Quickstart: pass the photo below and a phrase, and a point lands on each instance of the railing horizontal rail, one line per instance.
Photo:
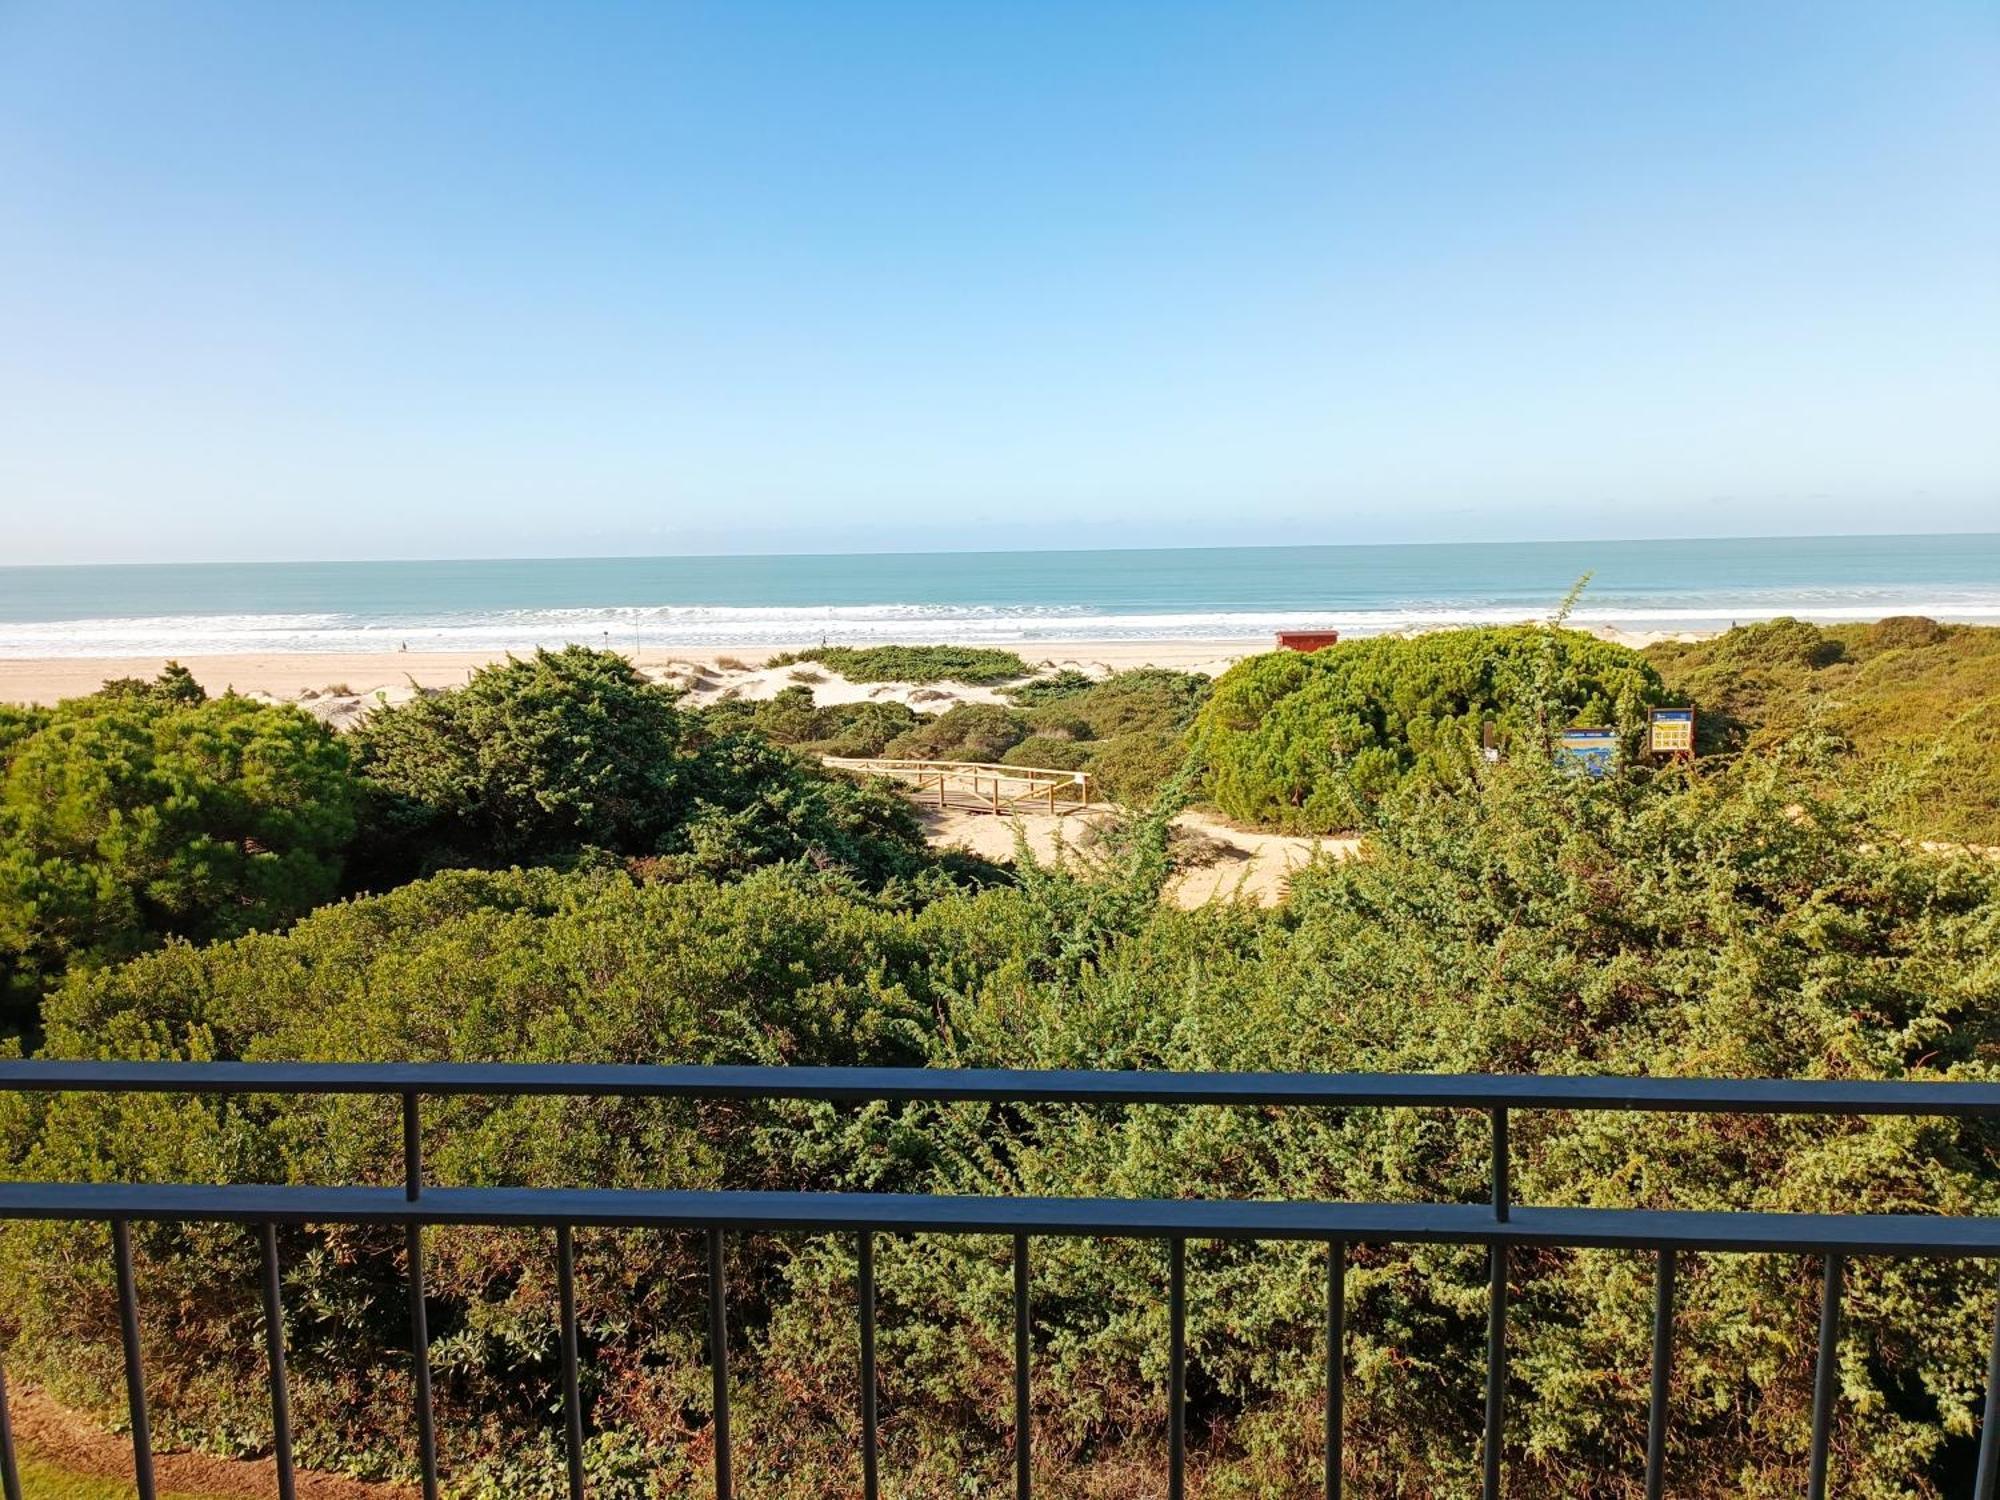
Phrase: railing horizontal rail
(1017, 1086)
(1197, 1219)
(1499, 1225)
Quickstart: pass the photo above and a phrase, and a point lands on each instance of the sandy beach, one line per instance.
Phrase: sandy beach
(288, 675)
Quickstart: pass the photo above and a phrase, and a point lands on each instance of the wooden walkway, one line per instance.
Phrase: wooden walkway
(977, 786)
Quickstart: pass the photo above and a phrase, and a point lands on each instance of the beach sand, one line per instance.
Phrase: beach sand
(287, 675)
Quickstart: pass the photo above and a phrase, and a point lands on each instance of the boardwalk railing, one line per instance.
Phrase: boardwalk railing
(978, 786)
(1499, 1225)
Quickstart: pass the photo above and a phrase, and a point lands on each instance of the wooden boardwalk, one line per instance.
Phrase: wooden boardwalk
(978, 786)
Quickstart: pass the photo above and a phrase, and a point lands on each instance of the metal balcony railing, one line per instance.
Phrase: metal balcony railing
(1499, 1225)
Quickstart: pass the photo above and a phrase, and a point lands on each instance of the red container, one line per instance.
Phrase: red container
(1307, 640)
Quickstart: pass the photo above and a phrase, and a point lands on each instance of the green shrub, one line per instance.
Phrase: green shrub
(789, 717)
(1054, 754)
(567, 753)
(1783, 642)
(531, 760)
(792, 718)
(784, 967)
(149, 811)
(1730, 924)
(1900, 632)
(1055, 687)
(966, 731)
(968, 664)
(1914, 704)
(1310, 742)
(1148, 698)
(1132, 769)
(755, 804)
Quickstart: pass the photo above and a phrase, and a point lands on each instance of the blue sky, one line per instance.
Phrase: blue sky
(373, 280)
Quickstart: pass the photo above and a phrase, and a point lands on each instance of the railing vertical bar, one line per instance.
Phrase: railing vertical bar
(413, 1148)
(1024, 1481)
(135, 1370)
(571, 1386)
(1825, 1369)
(865, 1295)
(1496, 1319)
(420, 1333)
(274, 1354)
(1336, 1371)
(1663, 1360)
(420, 1362)
(1177, 1368)
(1988, 1481)
(10, 1472)
(718, 1361)
(1496, 1368)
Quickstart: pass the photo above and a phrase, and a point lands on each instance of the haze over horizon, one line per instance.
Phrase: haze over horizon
(368, 282)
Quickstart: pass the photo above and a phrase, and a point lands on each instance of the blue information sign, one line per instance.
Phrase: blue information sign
(1591, 751)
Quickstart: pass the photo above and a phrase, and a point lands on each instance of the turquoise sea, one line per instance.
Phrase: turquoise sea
(1000, 597)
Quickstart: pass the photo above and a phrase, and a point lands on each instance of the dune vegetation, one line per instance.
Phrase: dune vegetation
(566, 864)
(1910, 706)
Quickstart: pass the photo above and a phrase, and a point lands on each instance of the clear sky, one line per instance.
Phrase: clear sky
(382, 279)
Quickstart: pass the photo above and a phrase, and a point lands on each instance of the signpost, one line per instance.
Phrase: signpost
(1591, 751)
(1670, 732)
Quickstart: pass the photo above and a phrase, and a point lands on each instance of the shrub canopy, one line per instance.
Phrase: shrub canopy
(1914, 707)
(975, 665)
(1310, 741)
(531, 759)
(569, 753)
(1727, 925)
(149, 811)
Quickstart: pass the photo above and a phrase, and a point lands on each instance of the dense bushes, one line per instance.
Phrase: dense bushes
(1310, 741)
(1915, 704)
(147, 811)
(547, 759)
(532, 759)
(1127, 730)
(975, 665)
(1728, 925)
(965, 731)
(791, 717)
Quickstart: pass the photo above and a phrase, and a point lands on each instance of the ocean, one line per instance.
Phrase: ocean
(1002, 598)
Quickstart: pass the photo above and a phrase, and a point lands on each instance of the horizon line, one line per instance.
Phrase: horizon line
(295, 562)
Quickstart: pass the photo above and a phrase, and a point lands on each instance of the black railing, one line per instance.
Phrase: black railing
(1499, 1225)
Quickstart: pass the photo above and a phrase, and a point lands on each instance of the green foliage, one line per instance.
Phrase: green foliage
(1133, 768)
(174, 685)
(782, 967)
(1051, 754)
(1725, 924)
(1055, 687)
(529, 761)
(572, 752)
(975, 665)
(1913, 705)
(149, 811)
(1149, 699)
(792, 718)
(965, 731)
(756, 803)
(1311, 742)
(1127, 730)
